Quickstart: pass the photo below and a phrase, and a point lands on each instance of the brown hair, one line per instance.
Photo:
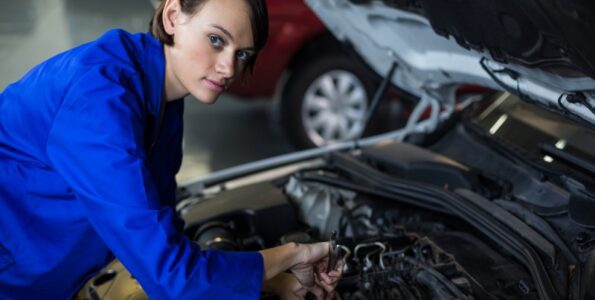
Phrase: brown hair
(259, 20)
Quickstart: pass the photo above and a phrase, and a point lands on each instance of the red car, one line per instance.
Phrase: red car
(325, 95)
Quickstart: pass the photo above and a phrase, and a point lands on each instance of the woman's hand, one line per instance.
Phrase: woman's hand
(328, 280)
(287, 287)
(307, 263)
(312, 271)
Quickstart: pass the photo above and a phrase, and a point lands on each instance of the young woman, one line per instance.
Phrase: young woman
(90, 141)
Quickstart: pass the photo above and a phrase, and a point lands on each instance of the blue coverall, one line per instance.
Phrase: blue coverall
(86, 172)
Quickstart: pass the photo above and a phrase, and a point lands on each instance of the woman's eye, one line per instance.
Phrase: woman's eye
(244, 56)
(216, 41)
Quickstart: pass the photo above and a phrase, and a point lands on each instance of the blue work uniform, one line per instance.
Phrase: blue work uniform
(86, 171)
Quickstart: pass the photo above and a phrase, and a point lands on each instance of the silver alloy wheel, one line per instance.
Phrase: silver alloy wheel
(334, 108)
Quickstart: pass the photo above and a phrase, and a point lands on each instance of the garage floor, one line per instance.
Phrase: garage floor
(231, 132)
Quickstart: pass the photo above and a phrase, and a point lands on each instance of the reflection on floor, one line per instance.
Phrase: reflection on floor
(231, 132)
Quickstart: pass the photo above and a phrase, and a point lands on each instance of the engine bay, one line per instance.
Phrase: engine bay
(450, 215)
(391, 250)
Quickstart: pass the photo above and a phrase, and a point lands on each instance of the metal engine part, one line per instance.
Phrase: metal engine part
(319, 205)
(114, 282)
(402, 266)
(217, 235)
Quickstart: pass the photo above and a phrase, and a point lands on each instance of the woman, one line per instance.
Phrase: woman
(90, 141)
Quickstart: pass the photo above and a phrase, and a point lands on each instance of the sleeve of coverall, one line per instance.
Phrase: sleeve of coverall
(96, 144)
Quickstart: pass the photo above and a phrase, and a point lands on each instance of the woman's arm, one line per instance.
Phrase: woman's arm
(282, 258)
(96, 144)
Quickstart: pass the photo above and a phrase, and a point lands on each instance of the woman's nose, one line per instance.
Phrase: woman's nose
(226, 65)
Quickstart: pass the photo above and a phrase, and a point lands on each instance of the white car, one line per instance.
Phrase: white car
(489, 198)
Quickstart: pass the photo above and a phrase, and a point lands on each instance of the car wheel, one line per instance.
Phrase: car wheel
(325, 101)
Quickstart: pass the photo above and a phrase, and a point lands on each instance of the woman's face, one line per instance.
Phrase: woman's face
(211, 48)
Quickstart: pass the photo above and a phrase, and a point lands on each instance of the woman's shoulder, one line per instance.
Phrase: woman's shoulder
(117, 48)
(117, 60)
(138, 42)
(117, 56)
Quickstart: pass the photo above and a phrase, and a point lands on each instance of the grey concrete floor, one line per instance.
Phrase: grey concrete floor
(231, 132)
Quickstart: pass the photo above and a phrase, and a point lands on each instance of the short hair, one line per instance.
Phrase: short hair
(258, 19)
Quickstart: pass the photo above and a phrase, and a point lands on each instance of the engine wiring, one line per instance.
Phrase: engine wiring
(433, 198)
(404, 266)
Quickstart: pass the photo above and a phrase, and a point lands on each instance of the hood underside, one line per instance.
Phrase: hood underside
(539, 50)
(552, 35)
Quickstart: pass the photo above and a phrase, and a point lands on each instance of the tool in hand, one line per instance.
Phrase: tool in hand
(333, 256)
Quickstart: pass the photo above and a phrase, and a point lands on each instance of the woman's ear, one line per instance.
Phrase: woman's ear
(171, 11)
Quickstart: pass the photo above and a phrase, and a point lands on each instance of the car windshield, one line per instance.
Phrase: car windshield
(545, 137)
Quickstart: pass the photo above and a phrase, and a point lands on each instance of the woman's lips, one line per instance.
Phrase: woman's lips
(213, 85)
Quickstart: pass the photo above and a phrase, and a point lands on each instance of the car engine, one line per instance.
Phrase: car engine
(456, 220)
(390, 250)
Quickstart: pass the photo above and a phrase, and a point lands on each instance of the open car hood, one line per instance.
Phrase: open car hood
(539, 50)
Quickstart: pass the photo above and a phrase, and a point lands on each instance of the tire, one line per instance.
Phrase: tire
(314, 107)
